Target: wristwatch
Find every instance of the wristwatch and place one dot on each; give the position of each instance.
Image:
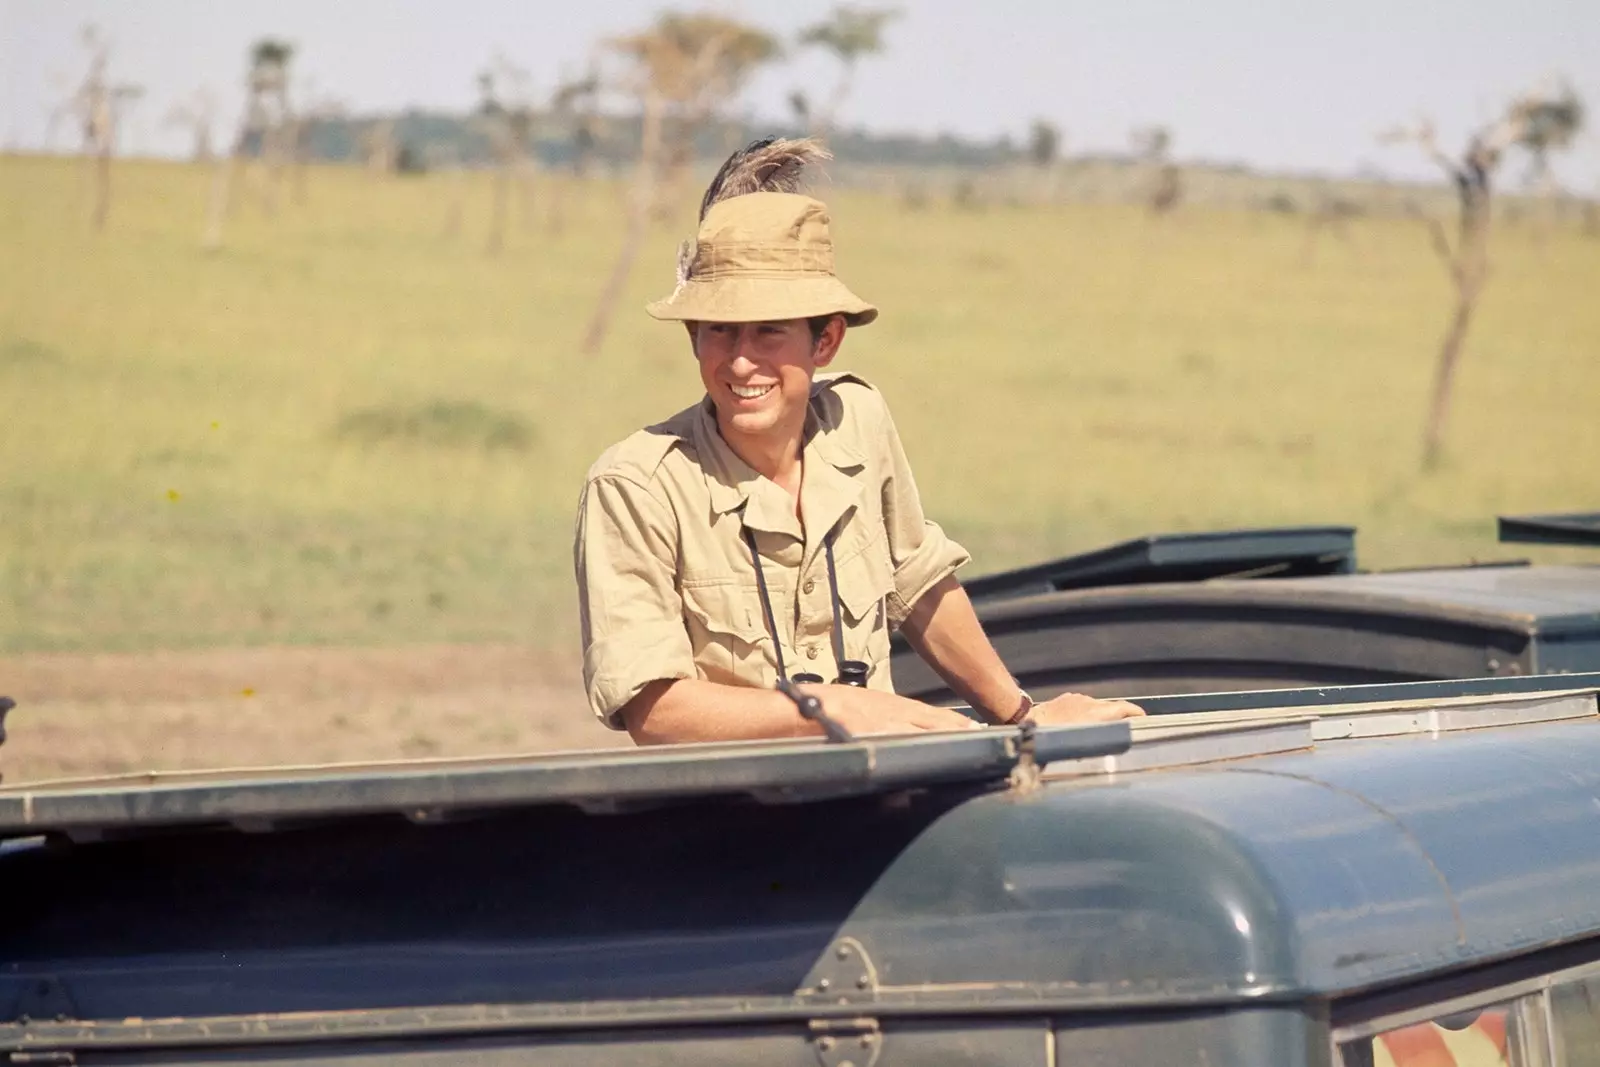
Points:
(1023, 710)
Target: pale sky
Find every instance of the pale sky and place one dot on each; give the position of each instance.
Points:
(1278, 84)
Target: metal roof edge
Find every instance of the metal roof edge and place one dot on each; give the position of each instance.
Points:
(596, 782)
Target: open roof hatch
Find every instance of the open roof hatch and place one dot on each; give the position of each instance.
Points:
(1284, 552)
(1573, 528)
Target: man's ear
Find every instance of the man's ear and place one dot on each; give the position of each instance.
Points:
(828, 344)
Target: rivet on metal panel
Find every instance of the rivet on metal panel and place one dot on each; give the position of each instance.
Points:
(846, 1042)
(845, 971)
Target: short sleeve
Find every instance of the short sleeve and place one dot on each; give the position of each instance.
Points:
(923, 555)
(629, 609)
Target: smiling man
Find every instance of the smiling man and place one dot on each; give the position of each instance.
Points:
(773, 530)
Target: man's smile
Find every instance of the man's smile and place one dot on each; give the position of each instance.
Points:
(750, 392)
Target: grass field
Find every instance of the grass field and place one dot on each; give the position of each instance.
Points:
(347, 429)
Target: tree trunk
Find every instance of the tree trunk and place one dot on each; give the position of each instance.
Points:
(101, 209)
(499, 208)
(457, 180)
(221, 192)
(1444, 378)
(638, 224)
(555, 203)
(1469, 269)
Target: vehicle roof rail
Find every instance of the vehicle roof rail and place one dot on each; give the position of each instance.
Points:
(1570, 528)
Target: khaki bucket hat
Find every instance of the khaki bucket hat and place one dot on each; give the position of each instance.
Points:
(761, 257)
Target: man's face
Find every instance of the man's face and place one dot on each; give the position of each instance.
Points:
(758, 374)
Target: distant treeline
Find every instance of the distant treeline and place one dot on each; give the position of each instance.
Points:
(424, 138)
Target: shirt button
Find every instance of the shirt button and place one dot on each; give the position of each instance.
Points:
(810, 585)
(811, 653)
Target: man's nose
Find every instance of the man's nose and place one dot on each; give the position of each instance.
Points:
(744, 360)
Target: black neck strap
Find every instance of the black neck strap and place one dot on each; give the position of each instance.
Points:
(766, 603)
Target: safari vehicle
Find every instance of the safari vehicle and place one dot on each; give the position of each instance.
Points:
(1269, 609)
(1392, 874)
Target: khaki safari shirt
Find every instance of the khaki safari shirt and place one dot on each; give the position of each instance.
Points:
(666, 585)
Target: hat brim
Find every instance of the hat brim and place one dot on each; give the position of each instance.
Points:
(762, 299)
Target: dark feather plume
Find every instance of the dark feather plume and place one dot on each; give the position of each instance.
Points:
(770, 165)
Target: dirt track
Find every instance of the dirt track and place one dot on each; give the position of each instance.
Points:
(95, 714)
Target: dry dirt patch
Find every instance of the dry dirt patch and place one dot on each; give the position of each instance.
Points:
(112, 713)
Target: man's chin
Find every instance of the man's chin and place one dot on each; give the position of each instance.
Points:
(750, 423)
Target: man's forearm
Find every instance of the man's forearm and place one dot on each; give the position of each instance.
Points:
(690, 709)
(945, 631)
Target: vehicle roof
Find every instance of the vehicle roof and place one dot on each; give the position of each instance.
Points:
(1219, 857)
(1551, 596)
(1320, 871)
(1525, 598)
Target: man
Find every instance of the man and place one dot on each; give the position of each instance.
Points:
(773, 531)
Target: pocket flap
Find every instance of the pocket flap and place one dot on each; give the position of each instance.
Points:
(865, 579)
(727, 608)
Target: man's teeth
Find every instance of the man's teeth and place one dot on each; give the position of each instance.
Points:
(750, 392)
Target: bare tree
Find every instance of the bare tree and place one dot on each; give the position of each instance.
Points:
(299, 127)
(261, 127)
(380, 148)
(1536, 123)
(97, 106)
(573, 110)
(505, 114)
(1330, 213)
(692, 105)
(681, 69)
(850, 33)
(196, 113)
(1153, 146)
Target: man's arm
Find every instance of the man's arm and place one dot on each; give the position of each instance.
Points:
(671, 711)
(945, 631)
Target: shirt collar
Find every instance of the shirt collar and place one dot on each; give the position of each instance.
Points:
(828, 490)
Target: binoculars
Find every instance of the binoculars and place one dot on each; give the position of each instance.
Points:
(851, 672)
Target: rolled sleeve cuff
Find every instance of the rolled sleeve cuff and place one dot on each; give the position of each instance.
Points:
(935, 559)
(616, 669)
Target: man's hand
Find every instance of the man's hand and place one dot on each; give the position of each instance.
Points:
(873, 711)
(1073, 708)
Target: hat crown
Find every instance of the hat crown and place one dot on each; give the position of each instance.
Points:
(763, 233)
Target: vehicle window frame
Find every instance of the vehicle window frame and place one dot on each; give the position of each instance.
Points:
(1530, 997)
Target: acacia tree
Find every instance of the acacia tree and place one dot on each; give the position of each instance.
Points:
(505, 115)
(573, 111)
(1153, 146)
(262, 126)
(1537, 123)
(97, 106)
(196, 113)
(1550, 123)
(299, 126)
(736, 50)
(679, 71)
(850, 33)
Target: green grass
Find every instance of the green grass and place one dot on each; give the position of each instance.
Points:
(346, 428)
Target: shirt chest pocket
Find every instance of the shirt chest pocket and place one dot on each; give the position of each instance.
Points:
(866, 578)
(728, 634)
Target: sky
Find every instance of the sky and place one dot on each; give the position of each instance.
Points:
(1289, 85)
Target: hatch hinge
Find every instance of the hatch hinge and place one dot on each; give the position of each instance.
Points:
(1024, 776)
(843, 974)
(846, 1042)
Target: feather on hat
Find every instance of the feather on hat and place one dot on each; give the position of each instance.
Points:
(763, 251)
